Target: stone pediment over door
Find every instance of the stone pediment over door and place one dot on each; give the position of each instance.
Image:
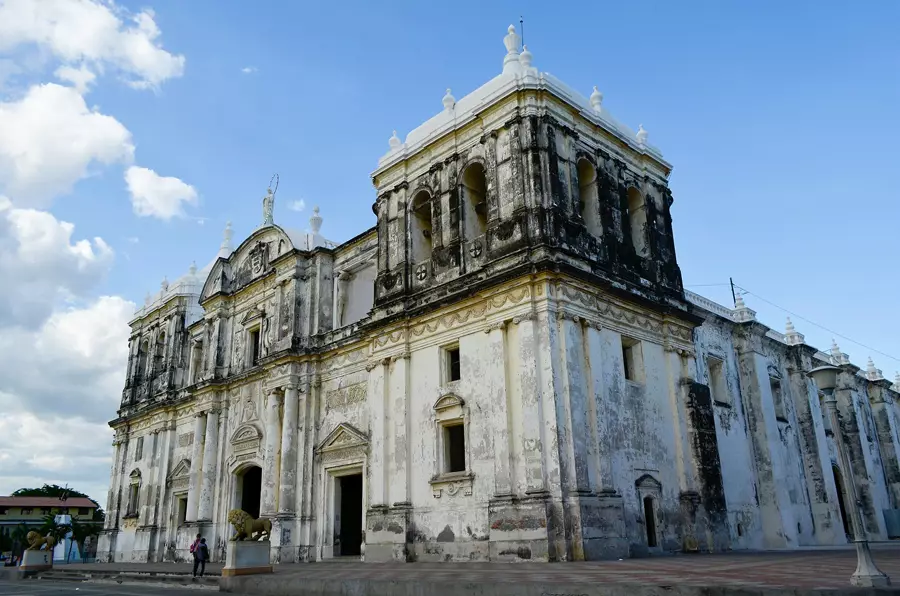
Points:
(344, 443)
(246, 439)
(180, 477)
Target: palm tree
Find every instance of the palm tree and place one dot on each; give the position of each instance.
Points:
(57, 530)
(80, 533)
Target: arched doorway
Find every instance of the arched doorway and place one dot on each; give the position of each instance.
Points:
(842, 501)
(248, 488)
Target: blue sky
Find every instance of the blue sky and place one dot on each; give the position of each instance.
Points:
(780, 120)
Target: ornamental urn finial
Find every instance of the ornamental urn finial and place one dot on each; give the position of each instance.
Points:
(394, 141)
(449, 101)
(193, 268)
(511, 59)
(226, 237)
(596, 100)
(164, 284)
(315, 222)
(525, 57)
(642, 135)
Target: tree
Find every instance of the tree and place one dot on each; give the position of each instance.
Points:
(56, 491)
(51, 527)
(20, 539)
(80, 533)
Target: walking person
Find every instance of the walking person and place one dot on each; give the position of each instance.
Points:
(201, 556)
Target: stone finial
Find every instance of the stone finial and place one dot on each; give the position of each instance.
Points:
(511, 41)
(872, 373)
(525, 58)
(315, 222)
(449, 101)
(193, 268)
(791, 336)
(642, 135)
(147, 299)
(741, 313)
(164, 284)
(226, 237)
(394, 141)
(596, 100)
(835, 352)
(897, 382)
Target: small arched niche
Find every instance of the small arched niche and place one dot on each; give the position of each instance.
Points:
(590, 203)
(474, 188)
(637, 218)
(160, 351)
(420, 227)
(143, 351)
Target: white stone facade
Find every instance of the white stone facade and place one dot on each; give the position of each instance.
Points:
(506, 367)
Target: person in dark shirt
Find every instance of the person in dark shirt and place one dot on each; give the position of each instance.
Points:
(201, 556)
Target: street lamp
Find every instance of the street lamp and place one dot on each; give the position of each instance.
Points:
(867, 573)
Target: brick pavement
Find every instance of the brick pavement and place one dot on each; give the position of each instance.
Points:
(815, 569)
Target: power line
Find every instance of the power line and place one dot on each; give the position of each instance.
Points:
(802, 318)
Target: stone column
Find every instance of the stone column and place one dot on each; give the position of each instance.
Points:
(397, 425)
(115, 478)
(287, 489)
(270, 454)
(210, 450)
(495, 383)
(196, 463)
(532, 414)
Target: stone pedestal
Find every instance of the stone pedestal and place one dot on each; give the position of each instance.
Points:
(386, 534)
(245, 557)
(36, 560)
(518, 529)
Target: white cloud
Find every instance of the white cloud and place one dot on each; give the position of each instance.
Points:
(81, 78)
(41, 267)
(49, 139)
(62, 355)
(297, 205)
(248, 69)
(133, 239)
(94, 32)
(158, 196)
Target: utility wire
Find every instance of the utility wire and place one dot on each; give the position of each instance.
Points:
(802, 318)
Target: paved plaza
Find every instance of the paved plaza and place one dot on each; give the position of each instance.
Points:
(805, 570)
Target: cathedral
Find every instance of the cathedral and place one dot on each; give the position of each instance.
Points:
(505, 368)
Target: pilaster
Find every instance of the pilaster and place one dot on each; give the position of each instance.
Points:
(272, 440)
(193, 502)
(210, 456)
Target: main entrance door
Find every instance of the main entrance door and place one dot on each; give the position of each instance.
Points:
(249, 488)
(349, 504)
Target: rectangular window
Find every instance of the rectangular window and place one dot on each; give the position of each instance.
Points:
(133, 499)
(632, 359)
(139, 449)
(84, 511)
(3, 510)
(64, 511)
(182, 510)
(45, 510)
(27, 511)
(451, 364)
(253, 342)
(717, 385)
(778, 400)
(454, 448)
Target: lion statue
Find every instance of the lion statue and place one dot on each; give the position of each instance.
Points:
(36, 541)
(247, 528)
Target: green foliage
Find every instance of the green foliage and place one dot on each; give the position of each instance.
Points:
(50, 527)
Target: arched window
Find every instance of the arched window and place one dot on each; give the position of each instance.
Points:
(143, 350)
(420, 227)
(474, 187)
(134, 493)
(637, 217)
(160, 353)
(590, 203)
